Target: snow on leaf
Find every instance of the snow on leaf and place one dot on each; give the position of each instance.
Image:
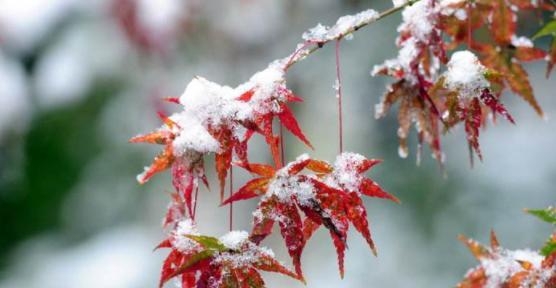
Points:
(500, 267)
(220, 262)
(465, 75)
(330, 198)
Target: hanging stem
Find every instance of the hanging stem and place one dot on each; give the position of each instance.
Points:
(195, 203)
(282, 149)
(339, 96)
(231, 194)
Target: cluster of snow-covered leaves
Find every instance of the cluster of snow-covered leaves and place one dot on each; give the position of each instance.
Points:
(520, 268)
(506, 268)
(329, 196)
(466, 88)
(229, 261)
(417, 68)
(221, 120)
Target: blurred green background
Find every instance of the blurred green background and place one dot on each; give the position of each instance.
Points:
(79, 78)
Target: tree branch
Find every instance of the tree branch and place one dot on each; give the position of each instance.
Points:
(302, 52)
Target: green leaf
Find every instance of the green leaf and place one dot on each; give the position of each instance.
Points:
(548, 29)
(208, 242)
(547, 215)
(549, 247)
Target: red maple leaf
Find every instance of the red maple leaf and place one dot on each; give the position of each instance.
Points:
(330, 197)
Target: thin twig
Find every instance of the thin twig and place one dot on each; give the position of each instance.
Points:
(339, 95)
(299, 55)
(231, 202)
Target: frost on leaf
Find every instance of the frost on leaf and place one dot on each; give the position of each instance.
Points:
(221, 120)
(329, 196)
(508, 268)
(229, 261)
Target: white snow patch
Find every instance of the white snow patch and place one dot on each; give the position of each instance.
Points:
(418, 18)
(466, 74)
(522, 41)
(505, 264)
(179, 237)
(344, 26)
(285, 186)
(345, 175)
(234, 239)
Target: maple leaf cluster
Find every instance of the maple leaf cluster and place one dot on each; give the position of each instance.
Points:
(504, 268)
(436, 105)
(203, 261)
(330, 196)
(221, 120)
(520, 268)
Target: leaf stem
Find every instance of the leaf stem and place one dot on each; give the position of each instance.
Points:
(339, 96)
(195, 203)
(282, 148)
(231, 212)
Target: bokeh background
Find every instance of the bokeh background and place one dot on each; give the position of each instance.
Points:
(79, 78)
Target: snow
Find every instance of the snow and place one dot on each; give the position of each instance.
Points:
(522, 41)
(408, 53)
(285, 186)
(208, 104)
(245, 252)
(211, 103)
(267, 84)
(344, 26)
(418, 24)
(345, 175)
(505, 263)
(465, 74)
(234, 239)
(194, 136)
(419, 19)
(179, 238)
